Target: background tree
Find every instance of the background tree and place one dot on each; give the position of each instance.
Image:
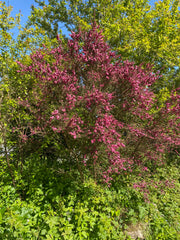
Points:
(138, 31)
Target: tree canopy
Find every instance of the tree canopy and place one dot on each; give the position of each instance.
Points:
(138, 31)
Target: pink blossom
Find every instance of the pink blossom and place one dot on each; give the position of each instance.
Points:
(55, 112)
(73, 134)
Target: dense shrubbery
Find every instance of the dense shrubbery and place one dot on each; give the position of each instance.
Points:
(65, 208)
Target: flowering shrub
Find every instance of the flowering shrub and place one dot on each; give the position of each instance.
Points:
(103, 108)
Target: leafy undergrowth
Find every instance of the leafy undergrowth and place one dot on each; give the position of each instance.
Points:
(47, 204)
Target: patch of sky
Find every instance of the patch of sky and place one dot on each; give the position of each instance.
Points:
(23, 7)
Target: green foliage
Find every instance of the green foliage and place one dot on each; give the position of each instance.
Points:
(90, 212)
(46, 204)
(160, 227)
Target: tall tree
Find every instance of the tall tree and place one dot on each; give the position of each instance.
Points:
(138, 31)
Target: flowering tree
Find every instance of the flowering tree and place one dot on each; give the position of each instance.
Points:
(98, 107)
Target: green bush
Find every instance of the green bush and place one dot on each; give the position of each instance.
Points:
(46, 203)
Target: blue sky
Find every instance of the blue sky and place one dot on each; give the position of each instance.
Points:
(25, 7)
(21, 5)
